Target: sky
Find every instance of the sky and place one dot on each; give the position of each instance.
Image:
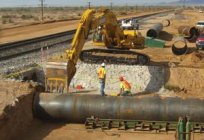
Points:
(34, 3)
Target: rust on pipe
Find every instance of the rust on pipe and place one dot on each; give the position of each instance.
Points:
(76, 108)
(189, 32)
(166, 23)
(179, 47)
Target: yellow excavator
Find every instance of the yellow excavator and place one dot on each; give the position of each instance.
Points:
(99, 38)
(60, 72)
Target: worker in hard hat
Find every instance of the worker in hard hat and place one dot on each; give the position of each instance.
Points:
(102, 78)
(125, 87)
(98, 34)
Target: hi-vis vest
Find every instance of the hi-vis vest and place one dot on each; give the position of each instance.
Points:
(125, 85)
(101, 73)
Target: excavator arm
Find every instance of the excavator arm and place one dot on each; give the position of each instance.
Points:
(60, 74)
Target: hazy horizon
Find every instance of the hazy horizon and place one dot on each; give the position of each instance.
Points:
(35, 3)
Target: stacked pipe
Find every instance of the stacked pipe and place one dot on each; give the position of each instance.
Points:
(166, 23)
(179, 46)
(189, 32)
(76, 108)
(155, 30)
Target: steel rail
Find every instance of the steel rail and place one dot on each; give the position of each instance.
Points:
(14, 49)
(11, 50)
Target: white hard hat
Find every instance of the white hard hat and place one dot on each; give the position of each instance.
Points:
(103, 64)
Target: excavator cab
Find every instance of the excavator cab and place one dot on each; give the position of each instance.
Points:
(98, 36)
(133, 39)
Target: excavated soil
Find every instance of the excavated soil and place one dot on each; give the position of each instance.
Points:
(17, 122)
(15, 108)
(194, 57)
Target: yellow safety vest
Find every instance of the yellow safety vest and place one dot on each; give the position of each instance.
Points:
(101, 73)
(125, 85)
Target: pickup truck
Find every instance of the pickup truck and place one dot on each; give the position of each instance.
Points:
(200, 41)
(200, 24)
(130, 24)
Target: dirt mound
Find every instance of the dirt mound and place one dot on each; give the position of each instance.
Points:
(15, 108)
(193, 57)
(187, 80)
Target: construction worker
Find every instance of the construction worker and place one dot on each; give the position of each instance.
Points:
(98, 34)
(125, 87)
(102, 78)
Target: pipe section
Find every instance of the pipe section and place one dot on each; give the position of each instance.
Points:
(166, 23)
(188, 32)
(179, 47)
(155, 30)
(76, 108)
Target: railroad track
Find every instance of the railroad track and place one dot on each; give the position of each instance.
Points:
(14, 49)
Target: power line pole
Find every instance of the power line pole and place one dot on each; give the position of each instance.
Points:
(111, 6)
(89, 5)
(184, 3)
(136, 7)
(126, 7)
(42, 9)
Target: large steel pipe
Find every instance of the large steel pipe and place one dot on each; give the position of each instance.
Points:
(155, 30)
(188, 32)
(179, 47)
(200, 30)
(76, 108)
(166, 23)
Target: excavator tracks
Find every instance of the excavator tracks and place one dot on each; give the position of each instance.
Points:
(114, 56)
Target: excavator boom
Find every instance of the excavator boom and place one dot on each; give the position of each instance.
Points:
(59, 74)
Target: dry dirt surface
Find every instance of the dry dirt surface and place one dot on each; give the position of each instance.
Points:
(164, 56)
(36, 30)
(16, 119)
(61, 131)
(15, 108)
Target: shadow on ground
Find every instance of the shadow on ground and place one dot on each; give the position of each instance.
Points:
(163, 35)
(159, 76)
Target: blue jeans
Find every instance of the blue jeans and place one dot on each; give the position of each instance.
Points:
(102, 86)
(126, 93)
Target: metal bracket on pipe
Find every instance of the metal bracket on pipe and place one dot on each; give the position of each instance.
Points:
(138, 125)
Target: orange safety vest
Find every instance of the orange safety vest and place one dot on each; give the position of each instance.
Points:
(126, 85)
(101, 73)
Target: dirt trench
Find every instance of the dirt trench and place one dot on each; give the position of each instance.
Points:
(15, 108)
(17, 121)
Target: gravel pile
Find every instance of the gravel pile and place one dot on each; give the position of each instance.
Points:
(28, 60)
(35, 45)
(142, 78)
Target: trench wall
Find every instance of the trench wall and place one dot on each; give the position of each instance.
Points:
(17, 116)
(142, 78)
(191, 79)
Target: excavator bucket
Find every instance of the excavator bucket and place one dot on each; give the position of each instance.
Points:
(57, 78)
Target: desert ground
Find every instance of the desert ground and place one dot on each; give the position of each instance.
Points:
(25, 28)
(173, 76)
